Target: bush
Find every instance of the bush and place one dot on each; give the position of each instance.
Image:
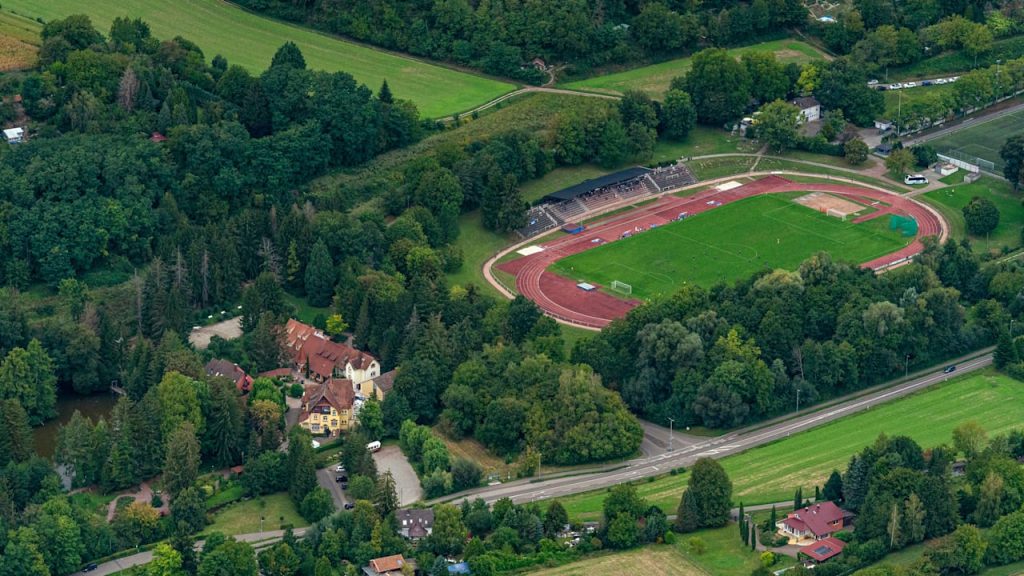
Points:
(855, 151)
(317, 505)
(465, 474)
(361, 487)
(696, 545)
(767, 558)
(438, 483)
(296, 390)
(819, 145)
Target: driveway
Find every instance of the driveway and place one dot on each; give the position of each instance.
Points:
(326, 478)
(228, 330)
(406, 481)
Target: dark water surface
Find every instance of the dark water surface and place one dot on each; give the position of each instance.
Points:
(92, 407)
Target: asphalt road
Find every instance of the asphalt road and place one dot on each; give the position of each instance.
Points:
(326, 477)
(718, 447)
(258, 540)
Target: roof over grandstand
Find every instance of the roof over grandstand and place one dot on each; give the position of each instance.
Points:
(597, 183)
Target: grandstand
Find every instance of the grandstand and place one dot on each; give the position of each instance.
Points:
(574, 203)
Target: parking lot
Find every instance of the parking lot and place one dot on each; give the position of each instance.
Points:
(406, 481)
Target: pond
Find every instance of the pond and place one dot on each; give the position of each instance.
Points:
(93, 407)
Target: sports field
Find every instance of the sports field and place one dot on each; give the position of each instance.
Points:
(981, 139)
(772, 472)
(251, 40)
(655, 79)
(726, 243)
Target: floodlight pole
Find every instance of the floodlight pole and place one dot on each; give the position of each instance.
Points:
(798, 400)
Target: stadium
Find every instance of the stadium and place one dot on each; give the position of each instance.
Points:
(589, 274)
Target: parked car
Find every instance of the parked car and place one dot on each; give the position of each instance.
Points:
(340, 468)
(349, 505)
(949, 369)
(941, 81)
(895, 86)
(343, 478)
(90, 567)
(344, 486)
(373, 446)
(910, 84)
(872, 82)
(913, 179)
(926, 83)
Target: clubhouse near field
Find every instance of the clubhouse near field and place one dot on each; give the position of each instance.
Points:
(593, 274)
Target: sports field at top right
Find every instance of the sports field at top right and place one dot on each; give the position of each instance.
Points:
(981, 140)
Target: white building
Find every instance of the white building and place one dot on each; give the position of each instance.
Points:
(14, 135)
(809, 107)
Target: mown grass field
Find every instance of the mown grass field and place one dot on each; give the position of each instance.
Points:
(19, 42)
(244, 517)
(251, 40)
(725, 555)
(982, 139)
(1011, 211)
(772, 472)
(727, 243)
(655, 79)
(911, 95)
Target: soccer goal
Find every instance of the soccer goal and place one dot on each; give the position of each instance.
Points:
(622, 287)
(836, 214)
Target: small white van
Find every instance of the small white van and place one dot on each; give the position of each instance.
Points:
(373, 446)
(913, 179)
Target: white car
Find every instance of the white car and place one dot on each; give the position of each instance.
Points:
(954, 79)
(915, 180)
(910, 85)
(872, 82)
(896, 86)
(339, 468)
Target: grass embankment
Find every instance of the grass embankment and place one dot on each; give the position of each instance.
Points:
(951, 201)
(893, 107)
(655, 79)
(277, 510)
(19, 42)
(250, 40)
(727, 243)
(772, 472)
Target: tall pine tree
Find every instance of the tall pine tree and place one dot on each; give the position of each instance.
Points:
(320, 275)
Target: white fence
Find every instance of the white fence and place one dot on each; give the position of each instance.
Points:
(960, 163)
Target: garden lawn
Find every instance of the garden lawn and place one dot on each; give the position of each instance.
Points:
(727, 243)
(244, 517)
(772, 472)
(306, 312)
(1011, 212)
(655, 79)
(724, 555)
(250, 40)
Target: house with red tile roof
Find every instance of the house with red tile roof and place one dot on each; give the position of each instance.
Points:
(231, 371)
(823, 550)
(387, 566)
(327, 407)
(813, 523)
(318, 357)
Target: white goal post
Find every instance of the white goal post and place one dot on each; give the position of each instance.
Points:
(836, 214)
(621, 287)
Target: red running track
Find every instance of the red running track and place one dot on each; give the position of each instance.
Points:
(559, 297)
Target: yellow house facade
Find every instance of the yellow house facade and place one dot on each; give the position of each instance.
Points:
(327, 408)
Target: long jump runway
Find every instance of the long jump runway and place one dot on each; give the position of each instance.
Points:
(559, 297)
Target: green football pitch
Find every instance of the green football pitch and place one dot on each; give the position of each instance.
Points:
(250, 40)
(981, 140)
(728, 243)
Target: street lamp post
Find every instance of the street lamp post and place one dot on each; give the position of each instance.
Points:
(671, 423)
(906, 367)
(797, 399)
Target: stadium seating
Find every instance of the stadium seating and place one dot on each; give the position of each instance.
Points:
(538, 220)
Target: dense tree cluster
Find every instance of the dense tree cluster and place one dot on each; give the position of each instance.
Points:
(235, 146)
(739, 353)
(502, 37)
